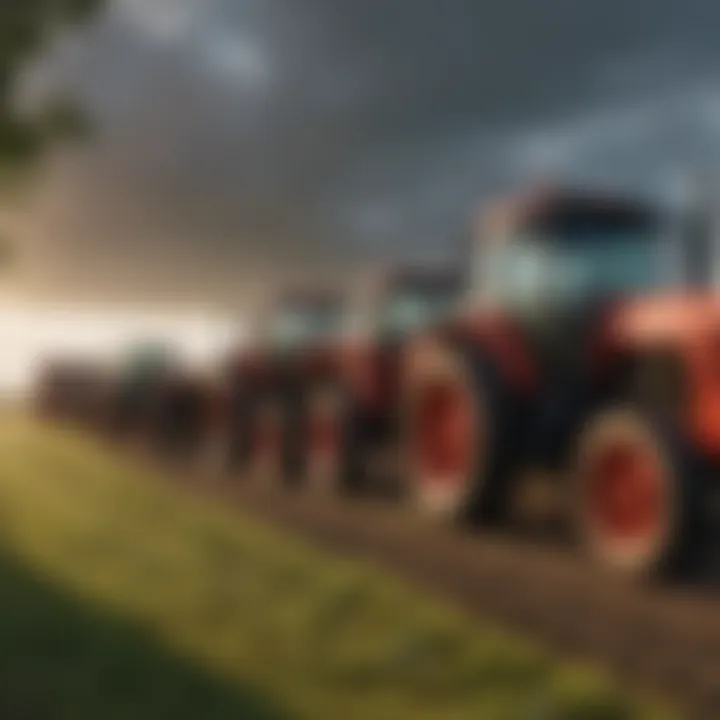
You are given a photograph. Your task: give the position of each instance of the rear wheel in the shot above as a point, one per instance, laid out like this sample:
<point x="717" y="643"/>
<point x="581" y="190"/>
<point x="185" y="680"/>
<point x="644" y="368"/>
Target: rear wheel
<point x="639" y="501"/>
<point x="455" y="434"/>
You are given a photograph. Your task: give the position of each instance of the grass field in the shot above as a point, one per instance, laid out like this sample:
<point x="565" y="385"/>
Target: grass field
<point x="121" y="597"/>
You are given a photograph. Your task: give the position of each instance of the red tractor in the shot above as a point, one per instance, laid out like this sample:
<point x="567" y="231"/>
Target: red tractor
<point x="71" y="389"/>
<point x="588" y="352"/>
<point x="317" y="404"/>
<point x="255" y="426"/>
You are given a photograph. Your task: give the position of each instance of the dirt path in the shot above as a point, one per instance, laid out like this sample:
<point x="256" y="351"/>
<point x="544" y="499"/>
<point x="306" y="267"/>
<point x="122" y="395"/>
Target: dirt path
<point x="664" y="639"/>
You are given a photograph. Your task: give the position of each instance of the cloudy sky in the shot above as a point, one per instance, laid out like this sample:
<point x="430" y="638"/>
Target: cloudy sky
<point x="240" y="140"/>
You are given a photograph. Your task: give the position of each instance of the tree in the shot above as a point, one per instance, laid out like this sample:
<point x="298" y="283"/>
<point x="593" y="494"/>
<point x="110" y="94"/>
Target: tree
<point x="25" y="28"/>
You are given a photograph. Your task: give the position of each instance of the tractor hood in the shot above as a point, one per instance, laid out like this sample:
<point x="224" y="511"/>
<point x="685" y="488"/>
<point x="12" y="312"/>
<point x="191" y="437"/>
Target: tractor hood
<point x="690" y="326"/>
<point x="668" y="319"/>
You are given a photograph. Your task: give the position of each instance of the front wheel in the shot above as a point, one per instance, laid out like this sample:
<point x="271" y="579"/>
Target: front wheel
<point x="639" y="494"/>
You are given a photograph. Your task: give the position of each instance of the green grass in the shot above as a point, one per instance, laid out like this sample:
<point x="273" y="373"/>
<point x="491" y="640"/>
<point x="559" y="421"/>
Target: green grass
<point x="121" y="597"/>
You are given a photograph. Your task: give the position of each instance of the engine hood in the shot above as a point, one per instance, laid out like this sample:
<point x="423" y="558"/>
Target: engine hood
<point x="666" y="319"/>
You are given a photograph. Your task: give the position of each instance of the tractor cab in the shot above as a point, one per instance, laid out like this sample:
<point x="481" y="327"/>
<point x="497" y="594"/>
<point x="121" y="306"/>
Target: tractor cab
<point x="414" y="300"/>
<point x="393" y="307"/>
<point x="298" y="320"/>
<point x="401" y="302"/>
<point x="556" y="250"/>
<point x="555" y="261"/>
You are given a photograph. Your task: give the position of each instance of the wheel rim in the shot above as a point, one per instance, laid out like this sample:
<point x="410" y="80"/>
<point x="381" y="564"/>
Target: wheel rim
<point x="443" y="442"/>
<point x="627" y="500"/>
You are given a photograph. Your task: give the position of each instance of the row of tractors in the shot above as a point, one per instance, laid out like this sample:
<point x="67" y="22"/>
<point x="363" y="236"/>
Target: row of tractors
<point x="570" y="368"/>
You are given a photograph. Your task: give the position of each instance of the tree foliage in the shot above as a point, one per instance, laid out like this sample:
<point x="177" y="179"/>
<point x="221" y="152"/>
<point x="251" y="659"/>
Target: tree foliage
<point x="26" y="26"/>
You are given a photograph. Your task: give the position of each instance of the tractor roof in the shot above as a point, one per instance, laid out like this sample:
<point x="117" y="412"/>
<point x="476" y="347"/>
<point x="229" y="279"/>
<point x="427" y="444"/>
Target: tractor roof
<point x="558" y="208"/>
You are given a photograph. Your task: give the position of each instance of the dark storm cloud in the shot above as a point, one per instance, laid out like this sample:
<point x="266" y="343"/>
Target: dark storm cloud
<point x="250" y="135"/>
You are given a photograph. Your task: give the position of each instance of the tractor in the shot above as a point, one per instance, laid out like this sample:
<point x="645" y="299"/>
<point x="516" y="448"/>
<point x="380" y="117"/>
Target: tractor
<point x="180" y="420"/>
<point x="172" y="407"/>
<point x="141" y="374"/>
<point x="585" y="357"/>
<point x="70" y="389"/>
<point x="255" y="419"/>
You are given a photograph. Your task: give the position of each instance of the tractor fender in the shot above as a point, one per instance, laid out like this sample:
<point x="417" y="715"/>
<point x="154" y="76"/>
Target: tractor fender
<point x="495" y="338"/>
<point x="681" y="335"/>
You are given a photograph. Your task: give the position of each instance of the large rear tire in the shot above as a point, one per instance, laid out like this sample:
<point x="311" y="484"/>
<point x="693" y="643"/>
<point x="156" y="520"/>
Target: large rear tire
<point x="639" y="501"/>
<point x="456" y="434"/>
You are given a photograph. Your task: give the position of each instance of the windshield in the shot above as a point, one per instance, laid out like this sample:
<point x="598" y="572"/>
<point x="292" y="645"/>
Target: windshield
<point x="532" y="269"/>
<point x="411" y="308"/>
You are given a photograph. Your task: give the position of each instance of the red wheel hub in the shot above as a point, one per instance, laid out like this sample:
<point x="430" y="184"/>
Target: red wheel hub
<point x="627" y="492"/>
<point x="443" y="440"/>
